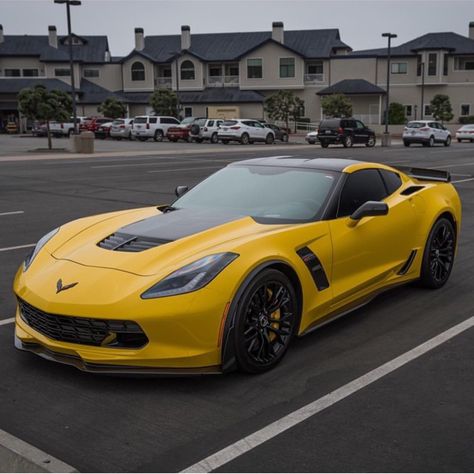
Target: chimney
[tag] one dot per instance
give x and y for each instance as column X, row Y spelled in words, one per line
column 139, row 39
column 52, row 36
column 471, row 30
column 185, row 37
column 277, row 31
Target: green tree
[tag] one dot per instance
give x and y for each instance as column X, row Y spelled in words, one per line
column 441, row 108
column 37, row 103
column 113, row 108
column 284, row 105
column 396, row 114
column 164, row 102
column 336, row 105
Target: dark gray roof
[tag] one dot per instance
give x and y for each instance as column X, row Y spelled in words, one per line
column 453, row 42
column 211, row 95
column 327, row 164
column 231, row 46
column 15, row 85
column 352, row 87
column 92, row 51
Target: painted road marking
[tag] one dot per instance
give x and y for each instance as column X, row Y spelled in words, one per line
column 4, row 322
column 24, row 455
column 457, row 165
column 6, row 249
column 462, row 180
column 233, row 451
column 11, row 213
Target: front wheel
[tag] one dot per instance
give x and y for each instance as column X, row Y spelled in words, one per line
column 244, row 139
column 284, row 138
column 269, row 139
column 431, row 142
column 438, row 256
column 448, row 141
column 370, row 142
column 265, row 321
column 347, row 142
column 158, row 137
column 214, row 138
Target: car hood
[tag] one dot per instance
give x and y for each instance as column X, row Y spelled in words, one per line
column 158, row 242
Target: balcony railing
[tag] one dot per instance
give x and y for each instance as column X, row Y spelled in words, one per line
column 313, row 78
column 163, row 82
column 222, row 81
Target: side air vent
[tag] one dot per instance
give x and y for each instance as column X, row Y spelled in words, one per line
column 406, row 266
column 411, row 190
column 130, row 243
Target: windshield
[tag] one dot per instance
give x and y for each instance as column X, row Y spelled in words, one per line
column 277, row 194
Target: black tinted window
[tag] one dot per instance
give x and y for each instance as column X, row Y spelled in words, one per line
column 392, row 180
column 332, row 123
column 153, row 119
column 360, row 187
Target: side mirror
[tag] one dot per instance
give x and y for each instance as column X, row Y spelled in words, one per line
column 180, row 190
column 369, row 209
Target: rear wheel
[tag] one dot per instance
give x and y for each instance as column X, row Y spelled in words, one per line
column 448, row 141
column 244, row 139
column 158, row 137
column 347, row 142
column 265, row 321
column 438, row 256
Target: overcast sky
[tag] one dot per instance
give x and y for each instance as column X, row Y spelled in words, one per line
column 360, row 21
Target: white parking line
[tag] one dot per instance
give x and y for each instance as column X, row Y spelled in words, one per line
column 462, row 180
column 11, row 213
column 250, row 442
column 4, row 322
column 457, row 165
column 23, row 457
column 7, row 249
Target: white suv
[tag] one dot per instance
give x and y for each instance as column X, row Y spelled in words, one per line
column 205, row 129
column 426, row 132
column 152, row 126
column 245, row 131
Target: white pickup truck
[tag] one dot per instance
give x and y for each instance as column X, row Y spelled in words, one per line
column 64, row 129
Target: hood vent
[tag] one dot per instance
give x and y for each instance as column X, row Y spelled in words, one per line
column 130, row 243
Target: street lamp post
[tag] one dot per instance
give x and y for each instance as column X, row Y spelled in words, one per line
column 177, row 55
column 386, row 136
column 422, row 110
column 71, row 60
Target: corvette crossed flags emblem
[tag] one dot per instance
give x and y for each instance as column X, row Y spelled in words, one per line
column 60, row 287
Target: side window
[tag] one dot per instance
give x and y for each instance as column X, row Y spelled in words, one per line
column 360, row 187
column 257, row 125
column 359, row 125
column 153, row 119
column 218, row 123
column 392, row 180
column 248, row 123
column 210, row 123
column 432, row 125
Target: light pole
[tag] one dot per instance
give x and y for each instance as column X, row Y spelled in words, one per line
column 177, row 54
column 422, row 110
column 386, row 137
column 68, row 3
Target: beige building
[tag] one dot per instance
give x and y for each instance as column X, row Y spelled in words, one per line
column 233, row 73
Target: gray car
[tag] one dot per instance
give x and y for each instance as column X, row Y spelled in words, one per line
column 121, row 128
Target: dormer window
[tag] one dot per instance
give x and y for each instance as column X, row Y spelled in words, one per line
column 187, row 71
column 138, row 71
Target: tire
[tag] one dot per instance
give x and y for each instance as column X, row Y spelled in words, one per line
column 269, row 139
column 262, row 336
column 244, row 139
column 284, row 138
column 370, row 142
column 214, row 138
column 195, row 129
column 324, row 143
column 311, row 142
column 347, row 142
column 431, row 142
column 158, row 137
column 438, row 256
column 406, row 143
column 448, row 141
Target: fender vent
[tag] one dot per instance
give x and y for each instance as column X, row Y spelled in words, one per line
column 130, row 243
column 406, row 266
column 315, row 267
column 411, row 190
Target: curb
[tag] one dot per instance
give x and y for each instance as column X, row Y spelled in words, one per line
column 18, row 456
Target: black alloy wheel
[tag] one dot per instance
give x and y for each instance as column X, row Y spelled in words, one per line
column 438, row 257
column 266, row 321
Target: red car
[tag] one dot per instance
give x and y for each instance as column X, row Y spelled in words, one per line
column 93, row 124
column 181, row 131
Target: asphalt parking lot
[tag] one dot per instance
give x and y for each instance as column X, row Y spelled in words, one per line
column 418, row 417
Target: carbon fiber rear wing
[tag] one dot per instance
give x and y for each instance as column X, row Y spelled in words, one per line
column 425, row 174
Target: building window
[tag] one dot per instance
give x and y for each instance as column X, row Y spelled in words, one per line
column 419, row 62
column 399, row 68
column 62, row 72
column 287, row 67
column 188, row 111
column 432, row 64
column 465, row 109
column 30, row 72
column 12, row 73
column 232, row 70
column 408, row 110
column 166, row 72
column 187, row 71
column 445, row 64
column 428, row 112
column 138, row 71
column 464, row 63
column 215, row 71
column 315, row 67
column 254, row 68
column 91, row 73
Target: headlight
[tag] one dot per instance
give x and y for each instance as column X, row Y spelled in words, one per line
column 192, row 277
column 41, row 243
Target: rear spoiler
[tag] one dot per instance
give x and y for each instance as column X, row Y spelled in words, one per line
column 425, row 174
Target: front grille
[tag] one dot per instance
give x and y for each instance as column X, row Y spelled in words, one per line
column 129, row 243
column 87, row 331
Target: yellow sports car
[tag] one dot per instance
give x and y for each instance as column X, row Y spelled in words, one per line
column 260, row 252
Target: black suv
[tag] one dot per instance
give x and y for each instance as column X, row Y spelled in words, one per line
column 346, row 131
